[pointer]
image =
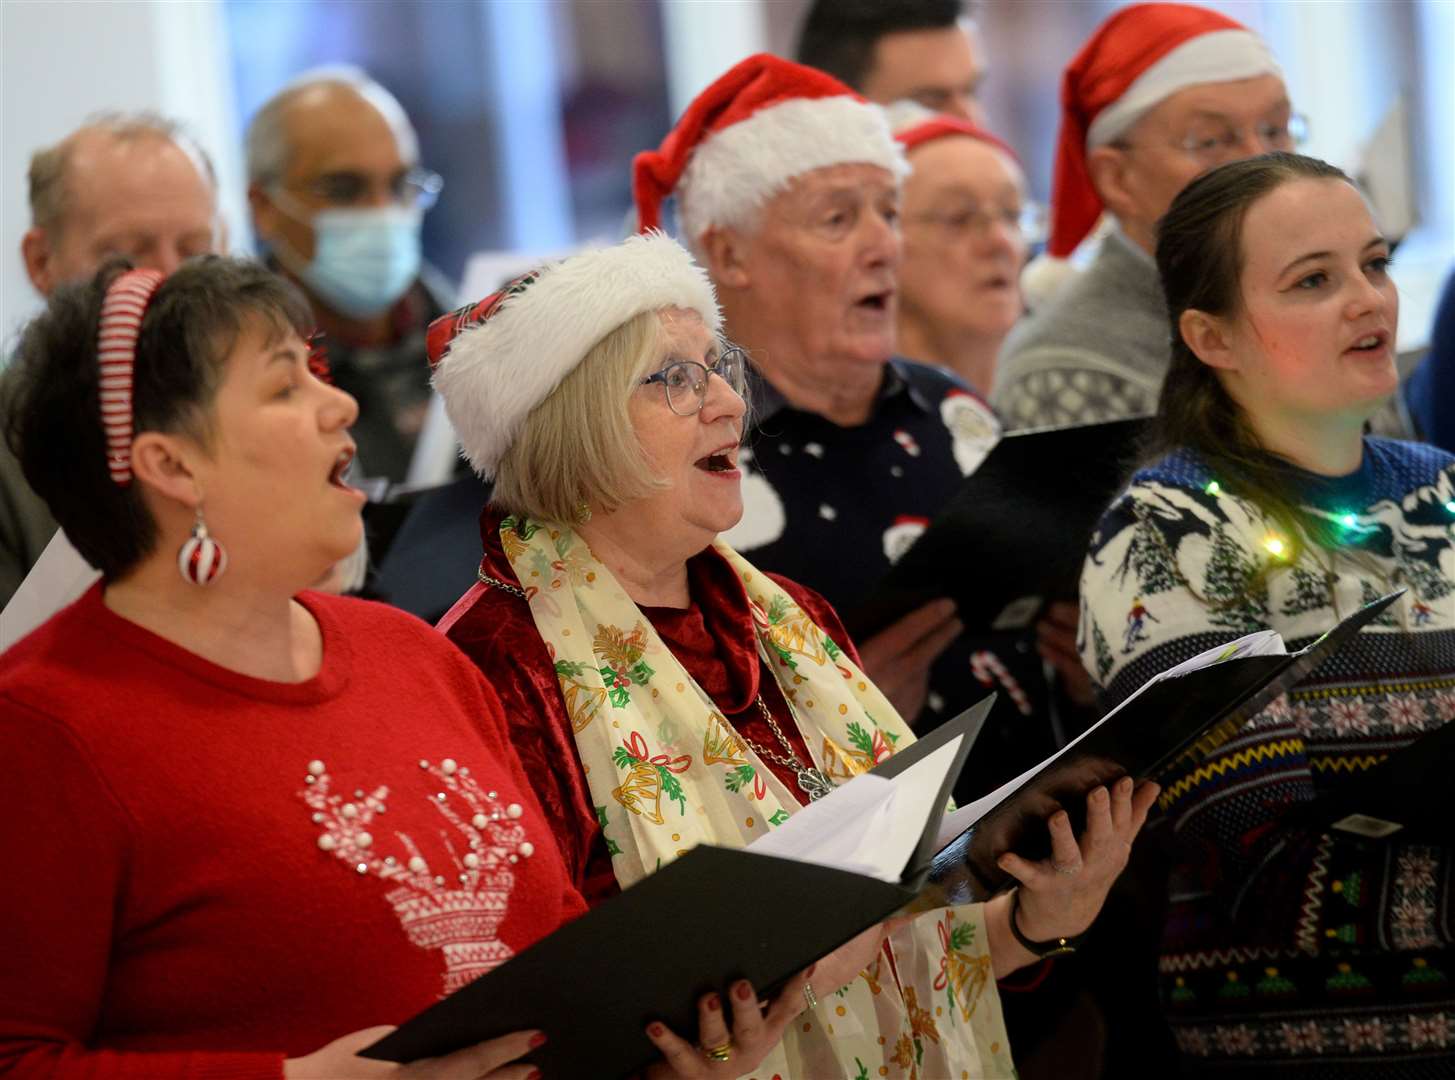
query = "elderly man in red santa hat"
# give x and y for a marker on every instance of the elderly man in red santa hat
(787, 188)
(1158, 95)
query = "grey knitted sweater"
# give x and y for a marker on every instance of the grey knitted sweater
(1098, 351)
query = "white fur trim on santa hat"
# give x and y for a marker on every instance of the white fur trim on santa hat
(1219, 56)
(495, 373)
(1043, 278)
(734, 172)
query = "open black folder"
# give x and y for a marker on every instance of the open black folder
(1014, 535)
(1409, 794)
(1180, 716)
(712, 916)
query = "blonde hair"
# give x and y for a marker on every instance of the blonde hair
(578, 449)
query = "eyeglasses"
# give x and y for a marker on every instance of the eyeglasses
(685, 381)
(972, 219)
(415, 188)
(1214, 143)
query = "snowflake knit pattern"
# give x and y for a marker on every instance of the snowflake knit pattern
(1287, 946)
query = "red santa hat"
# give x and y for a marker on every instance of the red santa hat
(914, 125)
(1137, 58)
(762, 123)
(496, 360)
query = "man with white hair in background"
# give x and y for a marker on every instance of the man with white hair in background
(787, 189)
(1159, 94)
(337, 197)
(129, 184)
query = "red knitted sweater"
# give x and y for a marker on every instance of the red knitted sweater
(207, 872)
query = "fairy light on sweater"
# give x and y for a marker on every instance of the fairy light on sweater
(1365, 963)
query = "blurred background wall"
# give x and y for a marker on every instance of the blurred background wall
(532, 109)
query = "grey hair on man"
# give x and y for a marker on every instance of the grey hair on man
(48, 165)
(268, 151)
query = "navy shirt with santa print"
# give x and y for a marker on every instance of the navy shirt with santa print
(834, 507)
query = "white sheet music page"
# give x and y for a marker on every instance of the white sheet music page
(869, 825)
(58, 578)
(1258, 643)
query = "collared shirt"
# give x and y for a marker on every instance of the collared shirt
(834, 507)
(864, 493)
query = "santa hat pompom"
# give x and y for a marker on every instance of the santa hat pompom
(1043, 279)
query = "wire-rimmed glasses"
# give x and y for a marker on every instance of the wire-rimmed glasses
(685, 381)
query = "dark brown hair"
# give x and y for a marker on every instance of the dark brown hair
(1200, 260)
(52, 409)
(839, 36)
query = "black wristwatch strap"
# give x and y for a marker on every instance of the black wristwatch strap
(1054, 947)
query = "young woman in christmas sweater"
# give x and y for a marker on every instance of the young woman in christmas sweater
(244, 821)
(1265, 506)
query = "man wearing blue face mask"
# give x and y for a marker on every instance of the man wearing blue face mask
(337, 197)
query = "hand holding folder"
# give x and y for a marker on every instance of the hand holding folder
(1178, 716)
(880, 843)
(759, 913)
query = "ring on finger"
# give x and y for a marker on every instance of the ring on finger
(809, 997)
(723, 1051)
(1065, 868)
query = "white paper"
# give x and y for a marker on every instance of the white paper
(869, 825)
(58, 577)
(1259, 643)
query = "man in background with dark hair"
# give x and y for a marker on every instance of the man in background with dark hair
(121, 184)
(891, 50)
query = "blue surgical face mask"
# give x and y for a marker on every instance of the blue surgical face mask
(363, 260)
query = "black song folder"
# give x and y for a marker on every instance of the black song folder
(710, 917)
(1014, 536)
(1410, 794)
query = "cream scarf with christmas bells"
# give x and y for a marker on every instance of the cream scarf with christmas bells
(667, 772)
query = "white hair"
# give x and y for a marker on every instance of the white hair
(732, 174)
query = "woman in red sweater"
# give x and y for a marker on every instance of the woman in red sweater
(231, 837)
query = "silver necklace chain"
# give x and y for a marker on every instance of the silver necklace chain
(811, 779)
(497, 583)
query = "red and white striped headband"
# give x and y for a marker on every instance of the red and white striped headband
(121, 315)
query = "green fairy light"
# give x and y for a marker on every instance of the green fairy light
(1214, 488)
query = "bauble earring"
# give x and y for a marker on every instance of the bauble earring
(202, 559)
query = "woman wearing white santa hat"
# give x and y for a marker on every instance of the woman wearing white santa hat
(662, 691)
